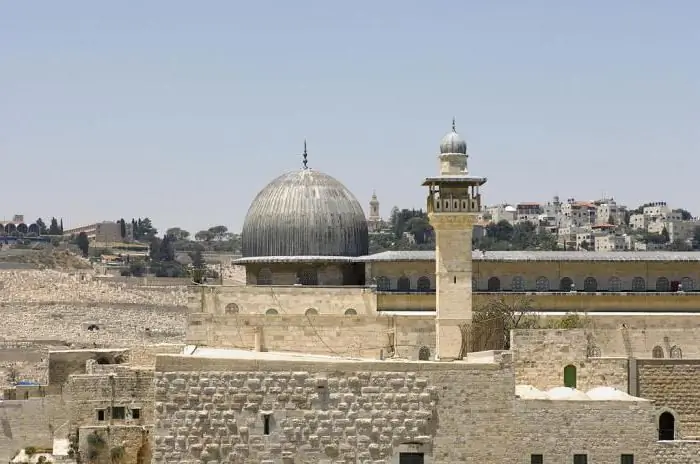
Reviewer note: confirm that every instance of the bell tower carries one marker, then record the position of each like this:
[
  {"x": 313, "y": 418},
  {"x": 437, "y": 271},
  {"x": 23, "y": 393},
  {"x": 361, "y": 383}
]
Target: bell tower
[{"x": 454, "y": 202}]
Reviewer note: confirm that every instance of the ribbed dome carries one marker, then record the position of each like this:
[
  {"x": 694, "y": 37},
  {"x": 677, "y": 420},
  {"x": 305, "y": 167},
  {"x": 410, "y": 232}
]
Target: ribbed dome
[
  {"x": 453, "y": 143},
  {"x": 305, "y": 213}
]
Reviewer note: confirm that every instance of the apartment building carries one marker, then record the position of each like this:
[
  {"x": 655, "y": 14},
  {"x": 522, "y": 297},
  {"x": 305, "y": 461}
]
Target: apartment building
[{"x": 103, "y": 232}]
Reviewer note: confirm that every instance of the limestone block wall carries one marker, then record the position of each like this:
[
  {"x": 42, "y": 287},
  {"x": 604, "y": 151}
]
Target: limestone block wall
[
  {"x": 131, "y": 389},
  {"x": 676, "y": 452},
  {"x": 215, "y": 409},
  {"x": 29, "y": 423},
  {"x": 602, "y": 429},
  {"x": 362, "y": 336},
  {"x": 540, "y": 356},
  {"x": 673, "y": 385},
  {"x": 133, "y": 442},
  {"x": 284, "y": 299},
  {"x": 145, "y": 355}
]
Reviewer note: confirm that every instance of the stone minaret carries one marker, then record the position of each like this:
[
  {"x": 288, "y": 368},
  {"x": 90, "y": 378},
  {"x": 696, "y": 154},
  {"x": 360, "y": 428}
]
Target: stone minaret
[
  {"x": 454, "y": 202},
  {"x": 374, "y": 208}
]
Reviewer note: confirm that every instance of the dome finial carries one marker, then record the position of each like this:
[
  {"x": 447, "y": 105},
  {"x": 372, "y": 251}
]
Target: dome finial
[
  {"x": 454, "y": 125},
  {"x": 305, "y": 155}
]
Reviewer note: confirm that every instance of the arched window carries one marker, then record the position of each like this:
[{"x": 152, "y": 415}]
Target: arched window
[
  {"x": 657, "y": 352},
  {"x": 271, "y": 312},
  {"x": 565, "y": 284},
  {"x": 34, "y": 229},
  {"x": 667, "y": 426},
  {"x": 662, "y": 284},
  {"x": 264, "y": 276},
  {"x": 570, "y": 376},
  {"x": 403, "y": 284},
  {"x": 383, "y": 283},
  {"x": 311, "y": 312},
  {"x": 593, "y": 351},
  {"x": 424, "y": 353},
  {"x": 542, "y": 284},
  {"x": 676, "y": 352},
  {"x": 22, "y": 228},
  {"x": 9, "y": 228},
  {"x": 590, "y": 285},
  {"x": 517, "y": 284},
  {"x": 231, "y": 308},
  {"x": 687, "y": 284},
  {"x": 639, "y": 284},
  {"x": 615, "y": 284},
  {"x": 494, "y": 284},
  {"x": 350, "y": 312},
  {"x": 423, "y": 284},
  {"x": 308, "y": 277}
]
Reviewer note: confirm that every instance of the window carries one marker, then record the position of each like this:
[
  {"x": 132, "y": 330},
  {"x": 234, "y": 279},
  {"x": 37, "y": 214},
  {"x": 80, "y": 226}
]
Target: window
[
  {"x": 536, "y": 459},
  {"x": 687, "y": 284},
  {"x": 615, "y": 284},
  {"x": 580, "y": 459},
  {"x": 403, "y": 284},
  {"x": 570, "y": 376},
  {"x": 264, "y": 277},
  {"x": 135, "y": 413},
  {"x": 231, "y": 308},
  {"x": 271, "y": 312},
  {"x": 676, "y": 352},
  {"x": 667, "y": 426},
  {"x": 100, "y": 414},
  {"x": 494, "y": 284},
  {"x": 639, "y": 284},
  {"x": 119, "y": 412},
  {"x": 350, "y": 312},
  {"x": 308, "y": 277},
  {"x": 627, "y": 459},
  {"x": 657, "y": 352},
  {"x": 566, "y": 284},
  {"x": 383, "y": 283},
  {"x": 411, "y": 458},
  {"x": 590, "y": 285},
  {"x": 517, "y": 284},
  {"x": 662, "y": 284},
  {"x": 424, "y": 353},
  {"x": 423, "y": 284},
  {"x": 311, "y": 312},
  {"x": 266, "y": 424},
  {"x": 542, "y": 284}
]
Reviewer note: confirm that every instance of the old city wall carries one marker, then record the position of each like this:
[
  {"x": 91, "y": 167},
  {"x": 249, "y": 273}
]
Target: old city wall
[
  {"x": 212, "y": 409},
  {"x": 578, "y": 426},
  {"x": 30, "y": 422},
  {"x": 358, "y": 336},
  {"x": 676, "y": 452}
]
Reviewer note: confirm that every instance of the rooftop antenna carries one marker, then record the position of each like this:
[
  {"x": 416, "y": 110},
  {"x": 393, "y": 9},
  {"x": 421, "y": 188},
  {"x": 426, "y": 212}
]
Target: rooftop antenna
[{"x": 305, "y": 155}]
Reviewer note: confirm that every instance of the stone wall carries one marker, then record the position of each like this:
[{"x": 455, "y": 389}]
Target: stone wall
[
  {"x": 126, "y": 388},
  {"x": 211, "y": 409},
  {"x": 583, "y": 427},
  {"x": 363, "y": 336},
  {"x": 145, "y": 356},
  {"x": 673, "y": 385},
  {"x": 677, "y": 452},
  {"x": 131, "y": 443},
  {"x": 63, "y": 364},
  {"x": 30, "y": 422}
]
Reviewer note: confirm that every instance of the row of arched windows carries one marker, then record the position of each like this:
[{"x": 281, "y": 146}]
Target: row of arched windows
[
  {"x": 232, "y": 308},
  {"x": 403, "y": 284},
  {"x": 21, "y": 228},
  {"x": 305, "y": 277},
  {"x": 590, "y": 284},
  {"x": 674, "y": 352}
]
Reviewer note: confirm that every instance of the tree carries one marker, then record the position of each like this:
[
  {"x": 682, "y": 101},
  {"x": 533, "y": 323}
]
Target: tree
[
  {"x": 664, "y": 233},
  {"x": 685, "y": 214},
  {"x": 197, "y": 259},
  {"x": 219, "y": 232},
  {"x": 143, "y": 229},
  {"x": 54, "y": 228},
  {"x": 83, "y": 243},
  {"x": 12, "y": 373},
  {"x": 204, "y": 236},
  {"x": 696, "y": 237},
  {"x": 177, "y": 233},
  {"x": 122, "y": 226},
  {"x": 42, "y": 226},
  {"x": 585, "y": 245},
  {"x": 679, "y": 245},
  {"x": 137, "y": 269},
  {"x": 493, "y": 321},
  {"x": 61, "y": 226}
]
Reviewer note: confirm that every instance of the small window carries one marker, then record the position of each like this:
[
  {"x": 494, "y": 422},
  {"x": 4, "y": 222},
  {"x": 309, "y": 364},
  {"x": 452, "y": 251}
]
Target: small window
[
  {"x": 266, "y": 424},
  {"x": 118, "y": 412},
  {"x": 580, "y": 459},
  {"x": 536, "y": 459},
  {"x": 135, "y": 413},
  {"x": 627, "y": 459},
  {"x": 100, "y": 414},
  {"x": 667, "y": 426},
  {"x": 411, "y": 458}
]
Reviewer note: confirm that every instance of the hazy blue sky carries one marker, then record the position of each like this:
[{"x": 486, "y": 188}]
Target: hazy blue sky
[{"x": 184, "y": 110}]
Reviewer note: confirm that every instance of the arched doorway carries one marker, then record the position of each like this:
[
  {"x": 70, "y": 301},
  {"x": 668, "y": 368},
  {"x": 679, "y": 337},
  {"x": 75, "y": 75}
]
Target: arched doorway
[
  {"x": 667, "y": 426},
  {"x": 570, "y": 376},
  {"x": 565, "y": 284}
]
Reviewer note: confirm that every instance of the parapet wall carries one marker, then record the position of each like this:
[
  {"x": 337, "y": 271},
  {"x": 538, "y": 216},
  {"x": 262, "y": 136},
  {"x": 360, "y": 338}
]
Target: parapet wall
[{"x": 359, "y": 336}]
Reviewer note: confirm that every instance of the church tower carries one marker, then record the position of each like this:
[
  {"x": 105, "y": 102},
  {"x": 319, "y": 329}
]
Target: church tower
[{"x": 454, "y": 202}]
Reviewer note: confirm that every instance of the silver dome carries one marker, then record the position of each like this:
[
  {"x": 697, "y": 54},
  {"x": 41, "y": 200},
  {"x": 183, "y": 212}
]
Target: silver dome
[
  {"x": 305, "y": 213},
  {"x": 453, "y": 143}
]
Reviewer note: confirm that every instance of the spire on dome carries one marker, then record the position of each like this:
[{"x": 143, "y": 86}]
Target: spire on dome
[{"x": 305, "y": 162}]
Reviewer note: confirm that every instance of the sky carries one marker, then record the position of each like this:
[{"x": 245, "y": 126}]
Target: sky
[{"x": 182, "y": 111}]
